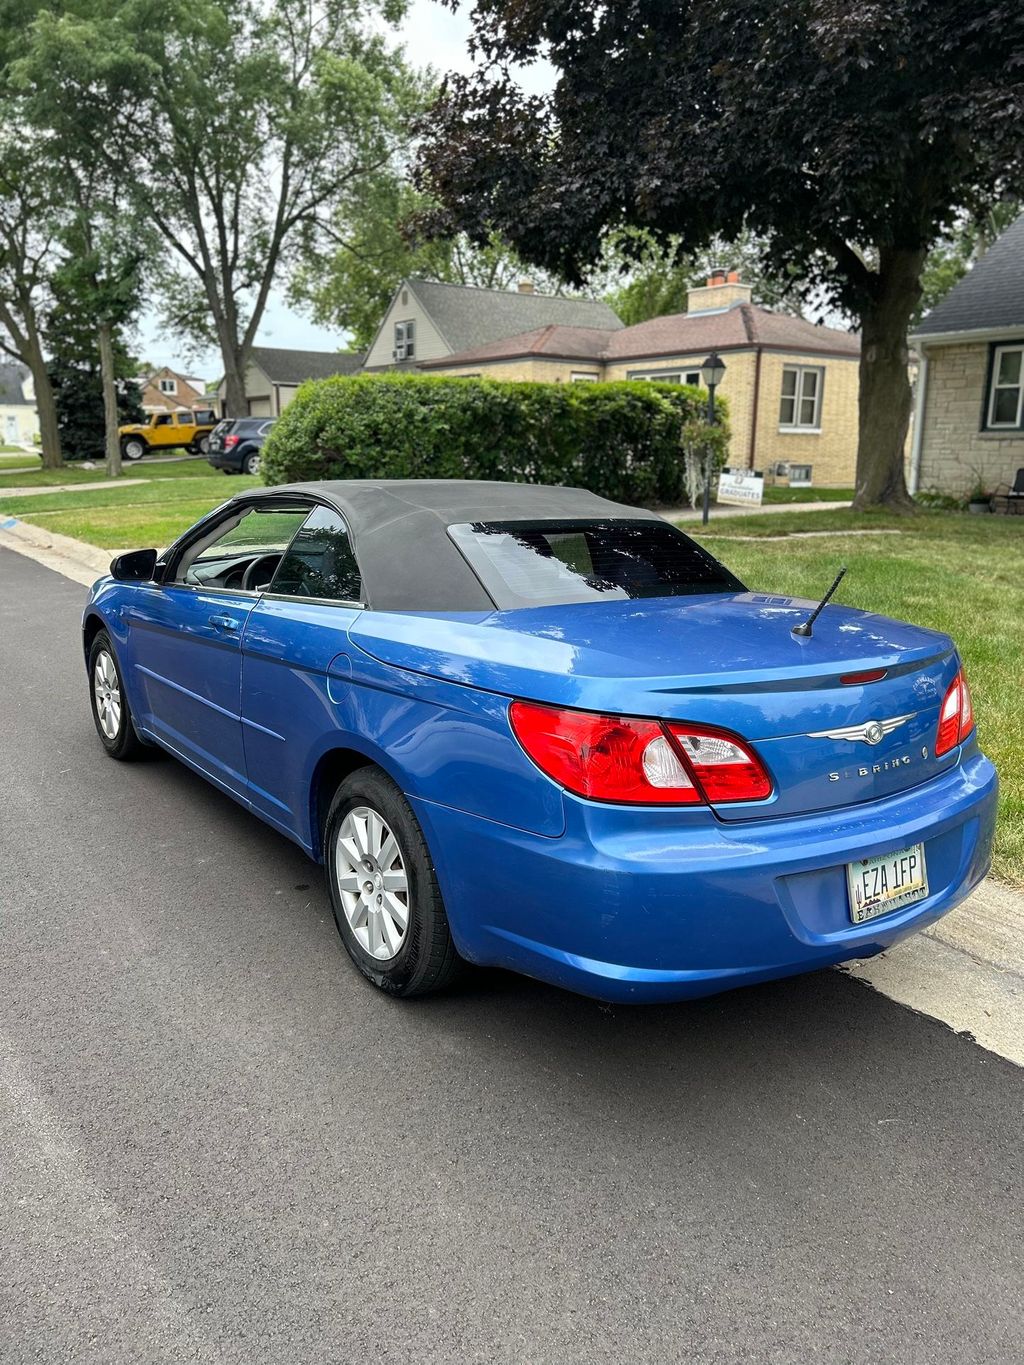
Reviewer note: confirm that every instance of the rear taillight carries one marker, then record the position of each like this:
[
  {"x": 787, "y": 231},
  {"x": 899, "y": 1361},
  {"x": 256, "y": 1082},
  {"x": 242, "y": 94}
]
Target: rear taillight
[
  {"x": 638, "y": 762},
  {"x": 956, "y": 719},
  {"x": 230, "y": 441}
]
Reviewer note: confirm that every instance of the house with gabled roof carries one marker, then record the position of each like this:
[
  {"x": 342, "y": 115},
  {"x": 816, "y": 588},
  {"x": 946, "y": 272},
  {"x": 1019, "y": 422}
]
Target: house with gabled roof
[
  {"x": 428, "y": 321},
  {"x": 274, "y": 375},
  {"x": 969, "y": 404},
  {"x": 792, "y": 385},
  {"x": 19, "y": 420}
]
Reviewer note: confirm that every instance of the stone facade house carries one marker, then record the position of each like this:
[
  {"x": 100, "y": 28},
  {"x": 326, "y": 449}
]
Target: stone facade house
[
  {"x": 792, "y": 386},
  {"x": 969, "y": 408},
  {"x": 274, "y": 375}
]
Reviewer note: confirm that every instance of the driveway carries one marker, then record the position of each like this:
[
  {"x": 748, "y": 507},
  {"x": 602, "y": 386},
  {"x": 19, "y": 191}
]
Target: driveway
[{"x": 218, "y": 1144}]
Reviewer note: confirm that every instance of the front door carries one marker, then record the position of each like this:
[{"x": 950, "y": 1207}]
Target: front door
[
  {"x": 186, "y": 634},
  {"x": 12, "y": 430}
]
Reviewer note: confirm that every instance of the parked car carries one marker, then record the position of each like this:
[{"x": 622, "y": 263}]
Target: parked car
[
  {"x": 168, "y": 431},
  {"x": 236, "y": 443},
  {"x": 530, "y": 727}
]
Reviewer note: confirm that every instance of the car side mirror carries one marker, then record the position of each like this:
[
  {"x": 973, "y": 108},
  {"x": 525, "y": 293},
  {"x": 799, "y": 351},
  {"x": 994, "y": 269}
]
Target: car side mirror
[{"x": 137, "y": 566}]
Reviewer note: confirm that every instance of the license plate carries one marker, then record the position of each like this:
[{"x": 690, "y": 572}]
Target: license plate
[{"x": 878, "y": 886}]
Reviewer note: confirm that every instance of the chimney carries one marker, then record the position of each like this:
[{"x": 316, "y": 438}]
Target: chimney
[
  {"x": 526, "y": 287},
  {"x": 722, "y": 291}
]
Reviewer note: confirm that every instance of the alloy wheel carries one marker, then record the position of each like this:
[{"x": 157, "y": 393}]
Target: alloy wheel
[
  {"x": 107, "y": 693},
  {"x": 373, "y": 882}
]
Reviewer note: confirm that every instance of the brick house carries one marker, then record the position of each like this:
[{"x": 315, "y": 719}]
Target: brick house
[
  {"x": 165, "y": 390},
  {"x": 969, "y": 404},
  {"x": 792, "y": 386}
]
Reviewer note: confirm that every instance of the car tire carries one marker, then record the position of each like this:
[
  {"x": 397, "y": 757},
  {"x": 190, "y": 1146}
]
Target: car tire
[
  {"x": 378, "y": 868},
  {"x": 251, "y": 463},
  {"x": 111, "y": 713},
  {"x": 203, "y": 445},
  {"x": 132, "y": 448}
]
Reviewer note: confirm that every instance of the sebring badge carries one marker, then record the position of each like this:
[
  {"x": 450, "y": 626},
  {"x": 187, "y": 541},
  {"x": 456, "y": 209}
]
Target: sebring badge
[{"x": 871, "y": 732}]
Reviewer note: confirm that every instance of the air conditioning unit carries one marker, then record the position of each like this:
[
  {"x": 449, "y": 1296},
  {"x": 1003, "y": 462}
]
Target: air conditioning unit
[{"x": 398, "y": 353}]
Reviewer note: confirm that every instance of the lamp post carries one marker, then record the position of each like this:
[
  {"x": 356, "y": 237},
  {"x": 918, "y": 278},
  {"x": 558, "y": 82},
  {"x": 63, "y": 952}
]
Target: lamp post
[{"x": 712, "y": 372}]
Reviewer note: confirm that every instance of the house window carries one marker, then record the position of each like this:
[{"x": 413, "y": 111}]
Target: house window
[
  {"x": 583, "y": 377},
  {"x": 800, "y": 475},
  {"x": 405, "y": 341},
  {"x": 168, "y": 386},
  {"x": 1006, "y": 388},
  {"x": 800, "y": 409},
  {"x": 691, "y": 377}
]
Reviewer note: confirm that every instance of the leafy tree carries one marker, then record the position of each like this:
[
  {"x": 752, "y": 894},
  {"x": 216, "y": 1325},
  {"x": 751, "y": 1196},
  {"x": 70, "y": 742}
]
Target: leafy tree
[
  {"x": 28, "y": 231},
  {"x": 371, "y": 251},
  {"x": 658, "y": 277},
  {"x": 243, "y": 127},
  {"x": 846, "y": 133},
  {"x": 952, "y": 255},
  {"x": 90, "y": 362}
]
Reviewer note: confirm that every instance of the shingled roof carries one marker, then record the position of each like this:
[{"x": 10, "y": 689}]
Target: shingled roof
[
  {"x": 738, "y": 328},
  {"x": 467, "y": 317},
  {"x": 989, "y": 297},
  {"x": 12, "y": 379},
  {"x": 295, "y": 367}
]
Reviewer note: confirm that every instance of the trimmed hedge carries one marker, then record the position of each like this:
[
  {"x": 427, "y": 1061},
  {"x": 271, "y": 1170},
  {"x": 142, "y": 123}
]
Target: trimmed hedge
[{"x": 623, "y": 441}]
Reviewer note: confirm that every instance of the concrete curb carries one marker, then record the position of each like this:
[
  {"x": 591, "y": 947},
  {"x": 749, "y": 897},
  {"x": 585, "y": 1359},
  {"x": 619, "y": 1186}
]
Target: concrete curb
[{"x": 73, "y": 558}]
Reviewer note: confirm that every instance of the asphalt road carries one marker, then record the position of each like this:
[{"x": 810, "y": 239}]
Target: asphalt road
[{"x": 217, "y": 1143}]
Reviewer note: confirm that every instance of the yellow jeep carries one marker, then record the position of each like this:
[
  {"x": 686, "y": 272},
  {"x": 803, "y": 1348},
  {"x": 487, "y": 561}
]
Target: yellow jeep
[{"x": 168, "y": 431}]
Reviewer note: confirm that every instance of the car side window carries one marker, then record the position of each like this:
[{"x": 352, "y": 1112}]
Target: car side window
[
  {"x": 252, "y": 538},
  {"x": 319, "y": 562},
  {"x": 164, "y": 421}
]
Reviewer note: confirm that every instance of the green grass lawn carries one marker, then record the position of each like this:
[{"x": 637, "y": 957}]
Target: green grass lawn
[
  {"x": 777, "y": 493},
  {"x": 186, "y": 468},
  {"x": 13, "y": 458},
  {"x": 948, "y": 571}
]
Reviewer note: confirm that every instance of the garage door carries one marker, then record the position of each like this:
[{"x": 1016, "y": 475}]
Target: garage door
[{"x": 260, "y": 407}]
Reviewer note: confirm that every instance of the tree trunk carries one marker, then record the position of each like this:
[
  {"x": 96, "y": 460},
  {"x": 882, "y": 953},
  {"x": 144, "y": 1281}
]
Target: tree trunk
[
  {"x": 885, "y": 396},
  {"x": 235, "y": 402},
  {"x": 110, "y": 424},
  {"x": 46, "y": 406}
]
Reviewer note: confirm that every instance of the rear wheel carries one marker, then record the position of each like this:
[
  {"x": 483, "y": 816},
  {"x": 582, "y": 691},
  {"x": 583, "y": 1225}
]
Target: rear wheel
[
  {"x": 133, "y": 447},
  {"x": 383, "y": 889},
  {"x": 202, "y": 445},
  {"x": 251, "y": 463},
  {"x": 110, "y": 709}
]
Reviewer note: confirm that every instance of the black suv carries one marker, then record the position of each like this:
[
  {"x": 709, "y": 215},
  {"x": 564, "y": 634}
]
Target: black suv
[{"x": 235, "y": 444}]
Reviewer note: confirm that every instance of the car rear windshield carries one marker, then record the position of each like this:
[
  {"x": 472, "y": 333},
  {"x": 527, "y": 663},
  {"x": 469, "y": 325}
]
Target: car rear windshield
[{"x": 538, "y": 563}]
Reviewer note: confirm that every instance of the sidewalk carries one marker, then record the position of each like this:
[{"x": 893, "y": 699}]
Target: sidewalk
[
  {"x": 766, "y": 509},
  {"x": 63, "y": 487}
]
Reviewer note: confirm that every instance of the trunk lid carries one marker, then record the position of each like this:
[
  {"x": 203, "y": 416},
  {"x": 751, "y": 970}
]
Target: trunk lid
[{"x": 726, "y": 660}]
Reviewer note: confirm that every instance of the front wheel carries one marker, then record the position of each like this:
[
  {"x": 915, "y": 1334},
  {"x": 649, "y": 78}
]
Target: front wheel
[
  {"x": 133, "y": 448},
  {"x": 383, "y": 889},
  {"x": 110, "y": 710}
]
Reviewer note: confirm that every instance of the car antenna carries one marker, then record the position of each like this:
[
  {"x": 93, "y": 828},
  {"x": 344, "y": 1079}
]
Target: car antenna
[{"x": 805, "y": 627}]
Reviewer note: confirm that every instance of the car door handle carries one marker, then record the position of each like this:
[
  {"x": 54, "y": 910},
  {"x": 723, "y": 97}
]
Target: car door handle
[{"x": 224, "y": 622}]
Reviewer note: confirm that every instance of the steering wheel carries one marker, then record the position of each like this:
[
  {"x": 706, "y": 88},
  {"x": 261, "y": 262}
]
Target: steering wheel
[{"x": 259, "y": 573}]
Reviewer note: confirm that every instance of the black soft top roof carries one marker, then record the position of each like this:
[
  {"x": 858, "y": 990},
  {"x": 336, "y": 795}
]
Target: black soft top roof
[{"x": 399, "y": 531}]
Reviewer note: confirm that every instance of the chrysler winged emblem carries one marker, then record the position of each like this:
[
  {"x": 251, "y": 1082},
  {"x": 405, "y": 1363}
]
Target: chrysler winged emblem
[{"x": 871, "y": 732}]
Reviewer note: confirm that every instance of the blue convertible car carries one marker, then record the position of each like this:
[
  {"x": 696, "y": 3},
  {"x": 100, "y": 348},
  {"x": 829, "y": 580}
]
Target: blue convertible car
[{"x": 529, "y": 727}]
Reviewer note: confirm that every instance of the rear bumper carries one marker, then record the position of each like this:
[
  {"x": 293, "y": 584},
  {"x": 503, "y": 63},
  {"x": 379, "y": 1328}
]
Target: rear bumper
[
  {"x": 221, "y": 459},
  {"x": 644, "y": 904}
]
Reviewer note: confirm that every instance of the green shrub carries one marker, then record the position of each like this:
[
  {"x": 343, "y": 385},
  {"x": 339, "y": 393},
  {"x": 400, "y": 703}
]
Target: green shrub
[{"x": 623, "y": 441}]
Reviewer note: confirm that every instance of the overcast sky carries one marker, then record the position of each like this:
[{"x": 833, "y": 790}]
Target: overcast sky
[{"x": 433, "y": 36}]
